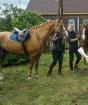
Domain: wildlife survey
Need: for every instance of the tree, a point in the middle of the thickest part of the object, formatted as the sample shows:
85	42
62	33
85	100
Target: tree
27	19
6	15
11	17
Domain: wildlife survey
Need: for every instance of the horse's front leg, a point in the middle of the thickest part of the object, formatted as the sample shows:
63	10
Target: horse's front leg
37	58
31	67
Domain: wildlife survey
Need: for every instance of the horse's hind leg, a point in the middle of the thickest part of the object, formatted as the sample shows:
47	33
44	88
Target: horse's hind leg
31	67
37	58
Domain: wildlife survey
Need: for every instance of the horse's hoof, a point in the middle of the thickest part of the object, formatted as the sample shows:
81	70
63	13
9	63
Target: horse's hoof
36	76
29	78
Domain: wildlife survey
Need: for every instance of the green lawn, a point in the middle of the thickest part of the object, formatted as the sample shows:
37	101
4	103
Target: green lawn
70	89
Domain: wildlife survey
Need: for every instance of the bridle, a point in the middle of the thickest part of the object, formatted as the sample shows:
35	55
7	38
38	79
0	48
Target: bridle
66	32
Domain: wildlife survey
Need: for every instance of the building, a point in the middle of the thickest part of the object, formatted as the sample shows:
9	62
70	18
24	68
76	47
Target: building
75	11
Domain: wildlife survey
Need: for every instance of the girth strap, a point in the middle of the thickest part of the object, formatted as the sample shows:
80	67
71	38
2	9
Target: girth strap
25	50
23	44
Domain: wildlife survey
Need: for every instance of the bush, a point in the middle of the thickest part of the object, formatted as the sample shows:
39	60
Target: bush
12	59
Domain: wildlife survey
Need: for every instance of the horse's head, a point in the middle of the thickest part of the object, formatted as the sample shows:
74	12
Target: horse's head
58	25
85	32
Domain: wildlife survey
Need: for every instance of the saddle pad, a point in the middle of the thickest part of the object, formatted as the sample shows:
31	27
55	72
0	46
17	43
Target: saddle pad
19	38
14	37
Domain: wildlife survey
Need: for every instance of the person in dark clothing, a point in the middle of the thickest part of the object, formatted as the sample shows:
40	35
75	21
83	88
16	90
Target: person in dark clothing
73	48
57	52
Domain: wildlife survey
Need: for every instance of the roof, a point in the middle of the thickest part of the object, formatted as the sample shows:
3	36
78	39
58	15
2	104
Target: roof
51	6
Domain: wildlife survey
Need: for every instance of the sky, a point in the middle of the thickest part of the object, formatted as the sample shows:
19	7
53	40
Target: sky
19	3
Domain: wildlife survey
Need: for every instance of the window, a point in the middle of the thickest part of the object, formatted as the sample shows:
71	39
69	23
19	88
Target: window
71	22
85	21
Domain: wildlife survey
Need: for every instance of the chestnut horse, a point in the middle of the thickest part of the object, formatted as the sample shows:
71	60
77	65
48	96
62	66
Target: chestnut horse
34	45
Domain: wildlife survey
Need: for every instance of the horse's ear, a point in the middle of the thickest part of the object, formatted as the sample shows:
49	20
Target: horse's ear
60	19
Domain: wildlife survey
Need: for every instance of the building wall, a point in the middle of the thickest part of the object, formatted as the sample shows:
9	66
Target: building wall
79	20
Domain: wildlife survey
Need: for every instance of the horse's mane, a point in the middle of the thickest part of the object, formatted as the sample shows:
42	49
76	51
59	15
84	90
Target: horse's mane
41	25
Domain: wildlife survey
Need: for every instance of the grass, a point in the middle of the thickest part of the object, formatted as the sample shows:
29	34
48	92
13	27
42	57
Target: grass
70	89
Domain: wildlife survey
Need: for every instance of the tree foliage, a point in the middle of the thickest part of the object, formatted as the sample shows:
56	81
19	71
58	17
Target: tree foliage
27	19
11	17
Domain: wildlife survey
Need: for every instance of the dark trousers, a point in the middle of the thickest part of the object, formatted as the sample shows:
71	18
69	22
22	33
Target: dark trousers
73	51
57	57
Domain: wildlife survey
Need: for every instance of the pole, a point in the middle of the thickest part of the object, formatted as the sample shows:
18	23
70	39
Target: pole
58	14
60	9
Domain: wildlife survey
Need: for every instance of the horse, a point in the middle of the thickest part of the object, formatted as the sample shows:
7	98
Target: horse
85	38
34	45
84	43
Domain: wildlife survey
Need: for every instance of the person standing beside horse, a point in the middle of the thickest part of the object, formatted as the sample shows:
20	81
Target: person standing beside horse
73	47
57	53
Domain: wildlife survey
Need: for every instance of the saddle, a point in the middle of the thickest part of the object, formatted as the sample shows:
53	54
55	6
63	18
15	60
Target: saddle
20	36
